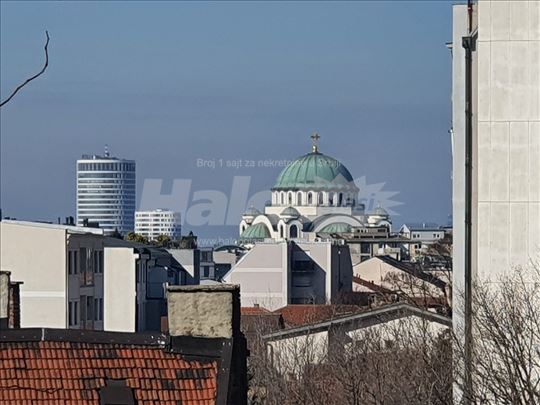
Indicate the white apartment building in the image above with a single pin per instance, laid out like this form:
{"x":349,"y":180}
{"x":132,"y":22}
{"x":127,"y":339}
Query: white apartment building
{"x":505,"y":134}
{"x":158,"y":222}
{"x":496,"y":128}
{"x":106,"y":192}
{"x":75,"y":277}
{"x":278,"y":273}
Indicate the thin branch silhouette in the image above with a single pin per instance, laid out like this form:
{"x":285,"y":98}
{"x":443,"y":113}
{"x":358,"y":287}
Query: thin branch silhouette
{"x":33,"y":77}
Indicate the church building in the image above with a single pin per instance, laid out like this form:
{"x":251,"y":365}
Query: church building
{"x":315,"y":194}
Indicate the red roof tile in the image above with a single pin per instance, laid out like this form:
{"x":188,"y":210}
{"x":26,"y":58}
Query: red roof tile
{"x":299,"y":315}
{"x":51,"y":372}
{"x":254,"y":311}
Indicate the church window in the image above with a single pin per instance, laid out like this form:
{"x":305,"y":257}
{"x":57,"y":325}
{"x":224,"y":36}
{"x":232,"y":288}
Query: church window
{"x":299,"y":198}
{"x":294,"y":231}
{"x":320,"y":198}
{"x":310,"y":199}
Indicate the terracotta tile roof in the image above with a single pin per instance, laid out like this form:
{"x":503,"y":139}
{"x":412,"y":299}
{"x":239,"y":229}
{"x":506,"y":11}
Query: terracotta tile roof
{"x":299,"y":315}
{"x":254,"y":311}
{"x":72,"y":372}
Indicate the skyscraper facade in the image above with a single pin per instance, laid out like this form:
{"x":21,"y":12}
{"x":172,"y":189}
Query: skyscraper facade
{"x":106,"y":192}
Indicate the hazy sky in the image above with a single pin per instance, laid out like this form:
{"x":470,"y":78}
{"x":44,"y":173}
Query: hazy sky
{"x":167,"y":83}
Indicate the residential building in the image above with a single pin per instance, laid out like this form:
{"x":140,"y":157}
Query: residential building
{"x":75,"y":277}
{"x":207,"y":267}
{"x":192,"y":364}
{"x":504,"y":42}
{"x":275,"y":274}
{"x":406,"y":280}
{"x":106,"y":192}
{"x":496,"y":146}
{"x":154,"y":223}
{"x":335,"y":332}
{"x":421,"y":237}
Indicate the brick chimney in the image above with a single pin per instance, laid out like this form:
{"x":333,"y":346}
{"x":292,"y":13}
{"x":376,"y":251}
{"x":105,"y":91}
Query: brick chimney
{"x":9,"y":302}
{"x":209,"y":315}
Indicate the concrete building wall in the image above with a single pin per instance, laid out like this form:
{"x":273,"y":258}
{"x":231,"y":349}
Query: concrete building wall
{"x":120,"y":290}
{"x":508,"y":135}
{"x":262,"y":275}
{"x":37,"y":256}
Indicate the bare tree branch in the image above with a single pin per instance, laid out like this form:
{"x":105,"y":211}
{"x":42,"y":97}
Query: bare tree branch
{"x":33,"y":77}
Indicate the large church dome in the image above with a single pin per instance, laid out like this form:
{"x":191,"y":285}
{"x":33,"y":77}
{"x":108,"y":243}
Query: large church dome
{"x":315,"y":171}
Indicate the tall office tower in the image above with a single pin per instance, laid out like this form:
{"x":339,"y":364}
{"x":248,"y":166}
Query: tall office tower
{"x":106,"y":192}
{"x":158,"y":222}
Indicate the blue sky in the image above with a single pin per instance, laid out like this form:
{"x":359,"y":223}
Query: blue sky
{"x":167,"y":83}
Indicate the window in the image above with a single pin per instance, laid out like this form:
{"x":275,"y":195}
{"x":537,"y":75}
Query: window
{"x":116,"y":392}
{"x":83,"y":259}
{"x":294,"y":231}
{"x":72,"y":262}
{"x":206,"y":271}
{"x":299,"y":198}
{"x":98,"y":261}
{"x":98,"y":309}
{"x":73,"y":313}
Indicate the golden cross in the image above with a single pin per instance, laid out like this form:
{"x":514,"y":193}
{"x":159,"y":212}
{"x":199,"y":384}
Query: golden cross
{"x":315,"y":138}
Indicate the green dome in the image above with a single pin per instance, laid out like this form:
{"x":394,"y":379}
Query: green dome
{"x":251,"y":212}
{"x":337,"y":227}
{"x":290,"y":212}
{"x":315,"y":171}
{"x":256,"y":232}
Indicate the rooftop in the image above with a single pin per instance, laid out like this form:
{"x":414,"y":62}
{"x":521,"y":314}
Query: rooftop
{"x":49,"y":366}
{"x":68,"y":228}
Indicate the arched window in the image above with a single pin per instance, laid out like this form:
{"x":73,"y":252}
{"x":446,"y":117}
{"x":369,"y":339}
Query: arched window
{"x":294,"y":231}
{"x":340,"y":199}
{"x":282,"y":198}
{"x":281,"y":231}
{"x":299,"y":198}
{"x":290,"y":197}
{"x":310,"y":198}
{"x":320,"y":198}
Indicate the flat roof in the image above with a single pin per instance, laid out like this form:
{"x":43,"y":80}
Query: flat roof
{"x":68,"y":228}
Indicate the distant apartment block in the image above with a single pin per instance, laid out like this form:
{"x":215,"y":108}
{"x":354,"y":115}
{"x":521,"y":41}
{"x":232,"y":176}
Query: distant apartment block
{"x":158,"y":222}
{"x":75,"y":277}
{"x":106,"y":192}
{"x":278,"y":273}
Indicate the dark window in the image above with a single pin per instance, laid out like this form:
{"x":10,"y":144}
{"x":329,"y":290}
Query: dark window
{"x":72,"y":262}
{"x":73,"y":312}
{"x":116,"y":392}
{"x":303,"y":265}
{"x":98,"y":309}
{"x":206,"y":271}
{"x":294,"y":231}
{"x":82,"y":256}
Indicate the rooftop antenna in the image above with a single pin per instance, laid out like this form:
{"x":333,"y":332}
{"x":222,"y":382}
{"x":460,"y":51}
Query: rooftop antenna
{"x":107,"y":150}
